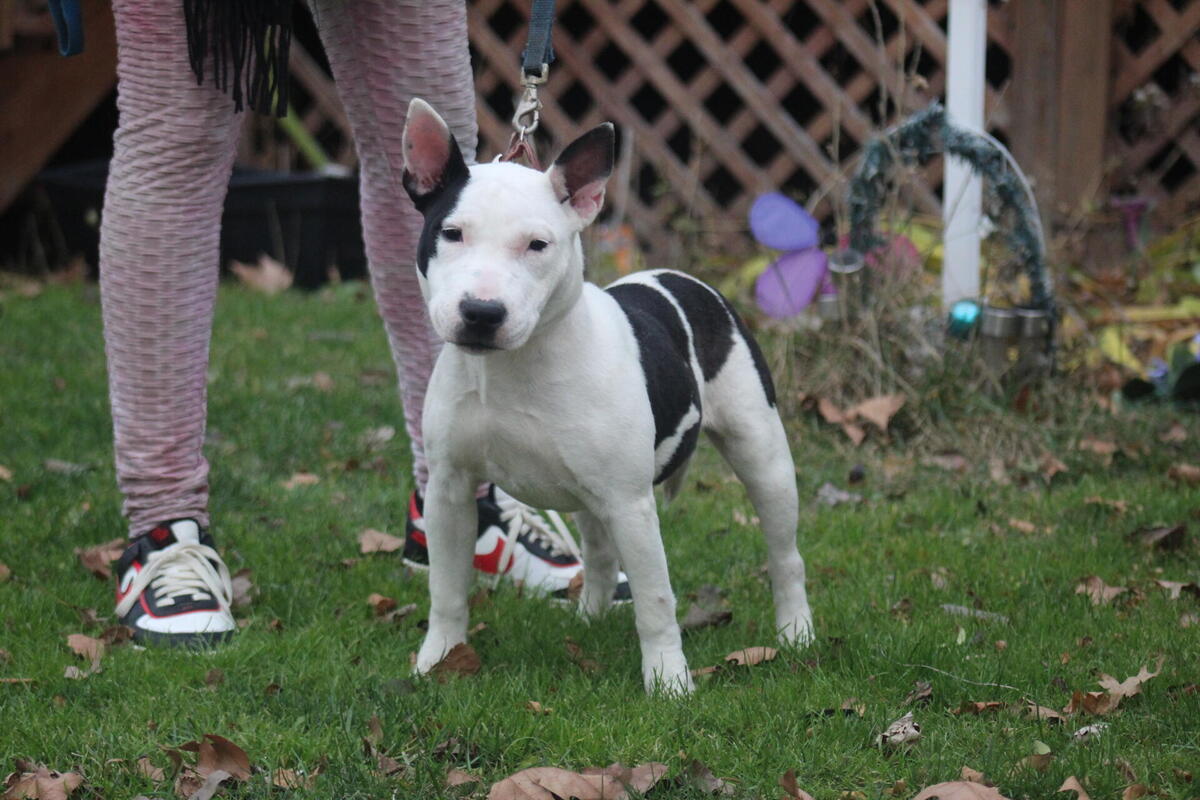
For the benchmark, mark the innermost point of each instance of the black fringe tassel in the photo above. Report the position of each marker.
(248, 41)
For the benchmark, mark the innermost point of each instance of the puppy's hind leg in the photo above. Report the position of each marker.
(756, 446)
(600, 565)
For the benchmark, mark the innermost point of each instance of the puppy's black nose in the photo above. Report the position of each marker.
(482, 316)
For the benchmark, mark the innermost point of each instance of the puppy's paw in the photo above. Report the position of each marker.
(433, 650)
(796, 631)
(669, 677)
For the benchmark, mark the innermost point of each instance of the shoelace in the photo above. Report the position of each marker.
(185, 568)
(521, 519)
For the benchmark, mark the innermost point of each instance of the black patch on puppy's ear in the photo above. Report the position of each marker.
(586, 160)
(433, 162)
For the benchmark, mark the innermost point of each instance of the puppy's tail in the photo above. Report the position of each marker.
(674, 483)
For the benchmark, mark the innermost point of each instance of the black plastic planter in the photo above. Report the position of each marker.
(307, 221)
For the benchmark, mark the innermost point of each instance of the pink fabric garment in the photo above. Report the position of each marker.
(173, 153)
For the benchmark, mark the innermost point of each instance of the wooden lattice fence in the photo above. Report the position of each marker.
(724, 99)
(718, 100)
(1154, 103)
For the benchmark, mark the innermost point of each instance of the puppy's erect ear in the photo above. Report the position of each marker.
(432, 160)
(580, 173)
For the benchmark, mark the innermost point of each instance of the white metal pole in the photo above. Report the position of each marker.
(962, 195)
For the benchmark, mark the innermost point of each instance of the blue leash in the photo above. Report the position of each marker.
(539, 50)
(68, 24)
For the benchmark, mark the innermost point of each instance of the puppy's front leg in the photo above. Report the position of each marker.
(451, 519)
(634, 527)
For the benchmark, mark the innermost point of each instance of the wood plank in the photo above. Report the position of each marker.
(44, 97)
(1033, 133)
(8, 15)
(1083, 78)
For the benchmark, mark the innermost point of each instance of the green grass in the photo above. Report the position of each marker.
(336, 667)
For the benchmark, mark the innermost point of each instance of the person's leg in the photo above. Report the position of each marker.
(159, 244)
(384, 53)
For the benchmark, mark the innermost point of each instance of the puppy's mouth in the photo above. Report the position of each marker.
(478, 348)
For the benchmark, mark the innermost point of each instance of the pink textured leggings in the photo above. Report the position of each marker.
(173, 152)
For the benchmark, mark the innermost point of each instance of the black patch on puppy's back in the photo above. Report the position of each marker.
(712, 320)
(712, 327)
(663, 347)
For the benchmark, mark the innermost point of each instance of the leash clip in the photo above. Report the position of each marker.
(525, 120)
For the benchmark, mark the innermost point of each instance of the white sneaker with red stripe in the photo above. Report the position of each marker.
(534, 549)
(174, 588)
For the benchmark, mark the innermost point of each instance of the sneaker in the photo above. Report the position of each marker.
(534, 549)
(174, 588)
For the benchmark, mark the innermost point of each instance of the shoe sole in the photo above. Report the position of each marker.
(192, 641)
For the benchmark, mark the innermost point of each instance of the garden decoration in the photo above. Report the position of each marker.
(1014, 212)
(790, 283)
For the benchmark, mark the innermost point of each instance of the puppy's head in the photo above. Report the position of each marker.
(500, 248)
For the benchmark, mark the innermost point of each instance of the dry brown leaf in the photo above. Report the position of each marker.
(373, 541)
(1099, 592)
(829, 412)
(97, 559)
(267, 276)
(1035, 712)
(461, 660)
(1188, 474)
(856, 433)
(147, 769)
(5, 473)
(5, 572)
(301, 479)
(1072, 784)
(295, 779)
(36, 782)
(960, 790)
(1100, 447)
(702, 778)
(1163, 537)
(243, 588)
(639, 779)
(1051, 466)
(976, 707)
(86, 647)
(214, 678)
(1135, 791)
(878, 410)
(699, 616)
(216, 753)
(951, 462)
(458, 777)
(380, 604)
(1175, 588)
(1092, 702)
(538, 708)
(788, 784)
(1021, 525)
(1116, 506)
(208, 788)
(1176, 434)
(972, 775)
(1189, 620)
(1132, 686)
(581, 660)
(922, 693)
(551, 783)
(998, 471)
(752, 655)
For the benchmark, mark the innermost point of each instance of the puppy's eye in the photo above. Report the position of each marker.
(538, 245)
(452, 234)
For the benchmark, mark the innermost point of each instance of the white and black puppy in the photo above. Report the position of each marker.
(578, 398)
